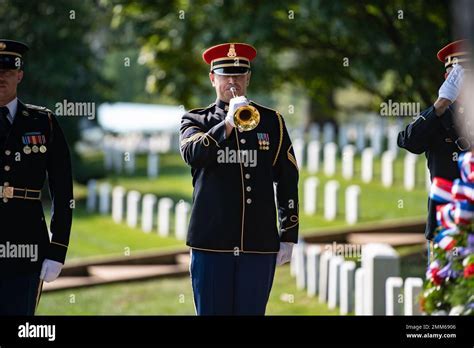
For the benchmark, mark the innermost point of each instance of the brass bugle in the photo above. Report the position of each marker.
(246, 117)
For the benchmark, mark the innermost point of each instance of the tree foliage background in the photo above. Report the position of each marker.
(386, 49)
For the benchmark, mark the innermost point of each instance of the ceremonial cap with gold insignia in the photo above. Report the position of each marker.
(230, 58)
(11, 54)
(455, 52)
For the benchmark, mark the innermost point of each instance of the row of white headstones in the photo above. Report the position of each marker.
(331, 188)
(330, 151)
(377, 131)
(375, 288)
(116, 159)
(125, 206)
(124, 161)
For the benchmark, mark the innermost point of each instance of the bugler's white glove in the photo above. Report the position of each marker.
(234, 104)
(451, 87)
(50, 270)
(284, 255)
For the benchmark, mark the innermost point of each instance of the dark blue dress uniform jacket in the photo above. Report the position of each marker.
(22, 221)
(428, 135)
(234, 206)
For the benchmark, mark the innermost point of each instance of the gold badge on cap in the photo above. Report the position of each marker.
(232, 52)
(43, 149)
(27, 150)
(2, 46)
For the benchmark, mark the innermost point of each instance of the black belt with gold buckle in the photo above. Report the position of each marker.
(20, 193)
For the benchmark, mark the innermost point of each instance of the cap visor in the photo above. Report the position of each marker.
(231, 70)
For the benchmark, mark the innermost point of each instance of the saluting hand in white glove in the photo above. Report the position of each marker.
(451, 87)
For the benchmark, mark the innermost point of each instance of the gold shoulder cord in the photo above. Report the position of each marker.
(280, 121)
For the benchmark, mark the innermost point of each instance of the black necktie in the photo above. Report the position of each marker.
(4, 122)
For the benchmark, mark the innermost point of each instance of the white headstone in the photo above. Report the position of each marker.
(413, 288)
(298, 148)
(393, 296)
(91, 195)
(324, 275)
(360, 138)
(129, 158)
(133, 203)
(380, 261)
(330, 200)
(342, 135)
(334, 277)
(328, 133)
(376, 139)
(348, 161)
(310, 195)
(352, 204)
(347, 286)
(330, 152)
(118, 206)
(359, 295)
(314, 132)
(409, 171)
(108, 157)
(118, 158)
(299, 250)
(392, 135)
(313, 255)
(164, 206)
(293, 261)
(387, 168)
(148, 209)
(104, 198)
(153, 165)
(367, 165)
(181, 215)
(314, 149)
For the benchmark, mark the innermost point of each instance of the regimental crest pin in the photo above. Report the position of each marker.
(231, 53)
(263, 141)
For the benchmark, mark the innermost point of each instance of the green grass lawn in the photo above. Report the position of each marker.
(94, 235)
(171, 296)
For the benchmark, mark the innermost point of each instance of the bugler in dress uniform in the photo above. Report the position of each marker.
(233, 229)
(435, 131)
(32, 147)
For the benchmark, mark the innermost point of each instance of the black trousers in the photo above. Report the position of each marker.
(19, 294)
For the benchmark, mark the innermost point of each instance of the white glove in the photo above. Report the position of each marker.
(50, 270)
(451, 88)
(234, 104)
(284, 255)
